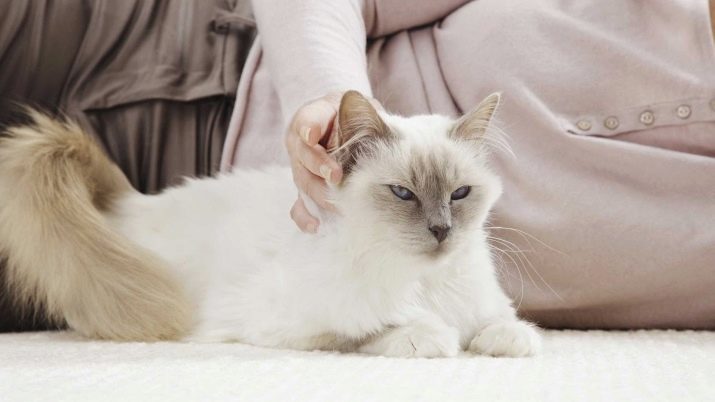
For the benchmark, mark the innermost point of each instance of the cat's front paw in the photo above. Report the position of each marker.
(512, 339)
(415, 341)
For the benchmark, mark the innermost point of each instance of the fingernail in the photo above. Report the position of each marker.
(305, 133)
(326, 173)
(311, 228)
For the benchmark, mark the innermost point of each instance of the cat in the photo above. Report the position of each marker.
(403, 269)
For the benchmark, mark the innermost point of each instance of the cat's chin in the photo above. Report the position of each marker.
(439, 252)
(422, 260)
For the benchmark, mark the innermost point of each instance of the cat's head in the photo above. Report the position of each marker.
(419, 185)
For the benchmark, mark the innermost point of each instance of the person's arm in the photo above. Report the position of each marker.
(312, 48)
(385, 17)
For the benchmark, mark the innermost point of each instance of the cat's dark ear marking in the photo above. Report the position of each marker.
(473, 125)
(359, 125)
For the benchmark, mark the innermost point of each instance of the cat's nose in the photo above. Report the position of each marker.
(439, 232)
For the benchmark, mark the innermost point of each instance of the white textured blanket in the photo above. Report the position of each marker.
(575, 366)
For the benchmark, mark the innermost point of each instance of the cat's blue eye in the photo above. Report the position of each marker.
(402, 193)
(461, 192)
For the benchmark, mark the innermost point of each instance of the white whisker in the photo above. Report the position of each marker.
(521, 255)
(518, 270)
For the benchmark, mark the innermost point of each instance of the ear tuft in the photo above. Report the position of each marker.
(474, 124)
(359, 124)
(357, 117)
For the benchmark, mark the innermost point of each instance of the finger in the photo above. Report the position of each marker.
(314, 121)
(313, 186)
(318, 162)
(300, 215)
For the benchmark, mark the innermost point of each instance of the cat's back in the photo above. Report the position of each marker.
(260, 196)
(254, 219)
(192, 221)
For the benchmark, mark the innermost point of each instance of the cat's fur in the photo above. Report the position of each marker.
(220, 260)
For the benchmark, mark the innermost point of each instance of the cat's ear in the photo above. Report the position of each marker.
(473, 125)
(359, 126)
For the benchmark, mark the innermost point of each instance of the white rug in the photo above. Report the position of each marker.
(575, 366)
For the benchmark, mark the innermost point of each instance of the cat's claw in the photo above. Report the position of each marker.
(511, 339)
(415, 341)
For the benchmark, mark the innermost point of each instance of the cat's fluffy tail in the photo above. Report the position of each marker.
(62, 256)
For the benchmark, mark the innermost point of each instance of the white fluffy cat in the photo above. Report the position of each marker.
(403, 270)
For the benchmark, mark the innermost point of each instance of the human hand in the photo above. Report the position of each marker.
(310, 135)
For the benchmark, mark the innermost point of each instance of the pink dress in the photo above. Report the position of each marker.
(609, 108)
